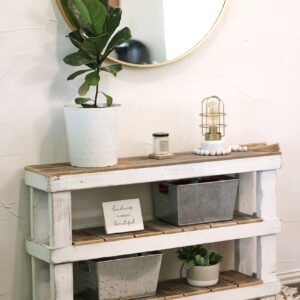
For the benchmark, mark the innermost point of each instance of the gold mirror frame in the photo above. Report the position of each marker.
(58, 2)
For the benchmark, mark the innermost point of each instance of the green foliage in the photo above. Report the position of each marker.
(198, 256)
(95, 38)
(113, 69)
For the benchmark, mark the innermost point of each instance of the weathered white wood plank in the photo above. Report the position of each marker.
(37, 181)
(245, 256)
(245, 249)
(39, 251)
(266, 208)
(32, 235)
(246, 193)
(39, 216)
(266, 194)
(151, 174)
(60, 219)
(60, 235)
(162, 242)
(39, 233)
(61, 283)
(266, 258)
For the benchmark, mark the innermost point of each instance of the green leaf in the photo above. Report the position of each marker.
(109, 99)
(77, 73)
(201, 261)
(97, 13)
(92, 79)
(113, 69)
(88, 105)
(66, 5)
(93, 65)
(82, 14)
(83, 89)
(95, 45)
(77, 59)
(189, 263)
(119, 38)
(105, 3)
(113, 20)
(81, 100)
(215, 258)
(76, 38)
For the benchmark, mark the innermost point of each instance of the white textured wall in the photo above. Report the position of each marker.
(252, 61)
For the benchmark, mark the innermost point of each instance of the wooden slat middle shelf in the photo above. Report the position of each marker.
(152, 228)
(178, 288)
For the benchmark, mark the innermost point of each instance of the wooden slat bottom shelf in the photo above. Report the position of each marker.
(152, 228)
(178, 288)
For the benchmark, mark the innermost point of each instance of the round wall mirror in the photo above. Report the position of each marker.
(163, 31)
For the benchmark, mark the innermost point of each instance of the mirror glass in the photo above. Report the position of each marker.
(164, 30)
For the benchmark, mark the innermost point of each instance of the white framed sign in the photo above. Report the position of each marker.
(122, 216)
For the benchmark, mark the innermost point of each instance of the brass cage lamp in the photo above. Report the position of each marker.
(213, 118)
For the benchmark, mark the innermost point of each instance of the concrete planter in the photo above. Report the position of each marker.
(92, 135)
(195, 201)
(203, 276)
(128, 277)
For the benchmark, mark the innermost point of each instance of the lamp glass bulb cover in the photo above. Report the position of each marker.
(213, 118)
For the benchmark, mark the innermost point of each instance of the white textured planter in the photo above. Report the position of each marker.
(203, 276)
(92, 135)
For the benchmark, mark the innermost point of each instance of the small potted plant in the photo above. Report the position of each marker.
(202, 265)
(92, 126)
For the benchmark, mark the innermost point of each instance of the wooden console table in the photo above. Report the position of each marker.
(54, 247)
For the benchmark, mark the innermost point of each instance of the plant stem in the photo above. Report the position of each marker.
(97, 92)
(96, 95)
(181, 270)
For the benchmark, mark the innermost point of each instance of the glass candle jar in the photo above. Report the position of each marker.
(160, 143)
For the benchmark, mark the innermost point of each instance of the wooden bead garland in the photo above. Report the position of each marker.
(234, 148)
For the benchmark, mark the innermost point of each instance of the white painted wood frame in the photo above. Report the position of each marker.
(51, 225)
(245, 249)
(266, 245)
(60, 235)
(39, 233)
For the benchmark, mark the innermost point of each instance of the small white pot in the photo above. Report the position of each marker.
(92, 135)
(203, 276)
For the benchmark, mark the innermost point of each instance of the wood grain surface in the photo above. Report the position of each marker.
(61, 169)
(154, 227)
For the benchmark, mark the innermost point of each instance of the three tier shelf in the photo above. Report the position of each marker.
(54, 247)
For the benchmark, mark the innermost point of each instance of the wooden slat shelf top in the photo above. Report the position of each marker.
(178, 288)
(52, 170)
(153, 228)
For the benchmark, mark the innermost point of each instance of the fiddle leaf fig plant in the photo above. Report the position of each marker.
(95, 38)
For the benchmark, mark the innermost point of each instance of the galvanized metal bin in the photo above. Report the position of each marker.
(195, 201)
(126, 277)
